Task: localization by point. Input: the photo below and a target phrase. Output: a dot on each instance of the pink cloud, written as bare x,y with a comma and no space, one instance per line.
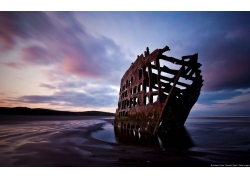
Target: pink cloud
18,24
37,55
6,31
80,67
64,42
14,65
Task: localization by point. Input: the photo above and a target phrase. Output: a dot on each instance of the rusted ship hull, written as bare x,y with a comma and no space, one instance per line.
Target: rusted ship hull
155,98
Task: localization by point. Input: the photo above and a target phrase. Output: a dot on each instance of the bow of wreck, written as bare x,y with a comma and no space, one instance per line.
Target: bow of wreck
157,92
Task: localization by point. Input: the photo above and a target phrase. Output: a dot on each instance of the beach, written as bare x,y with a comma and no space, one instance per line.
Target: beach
91,141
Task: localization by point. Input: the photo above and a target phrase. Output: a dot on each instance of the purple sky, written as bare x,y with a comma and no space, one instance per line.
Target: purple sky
75,60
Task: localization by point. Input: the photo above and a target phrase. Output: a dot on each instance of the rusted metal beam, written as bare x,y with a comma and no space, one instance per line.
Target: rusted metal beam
145,100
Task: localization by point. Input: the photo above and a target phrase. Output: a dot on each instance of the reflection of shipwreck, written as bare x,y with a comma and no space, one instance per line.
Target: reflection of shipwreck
155,96
178,139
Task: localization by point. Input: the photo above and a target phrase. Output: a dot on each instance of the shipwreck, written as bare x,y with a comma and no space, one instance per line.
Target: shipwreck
157,92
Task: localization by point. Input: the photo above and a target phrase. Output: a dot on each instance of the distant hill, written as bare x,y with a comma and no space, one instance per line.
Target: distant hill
46,112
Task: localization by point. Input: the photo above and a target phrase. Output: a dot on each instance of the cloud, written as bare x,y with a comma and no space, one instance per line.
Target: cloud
222,40
58,38
23,25
34,99
82,65
71,83
80,99
16,65
208,98
95,61
69,98
224,51
48,86
223,103
100,90
37,55
225,65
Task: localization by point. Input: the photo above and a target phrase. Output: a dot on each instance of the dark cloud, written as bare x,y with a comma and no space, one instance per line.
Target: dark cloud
34,99
220,112
225,64
23,25
223,46
209,98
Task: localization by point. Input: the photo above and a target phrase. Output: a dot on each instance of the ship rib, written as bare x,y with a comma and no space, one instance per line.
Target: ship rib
154,97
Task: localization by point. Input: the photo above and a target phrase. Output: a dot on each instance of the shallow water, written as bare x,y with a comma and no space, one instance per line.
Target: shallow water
198,134
21,139
13,135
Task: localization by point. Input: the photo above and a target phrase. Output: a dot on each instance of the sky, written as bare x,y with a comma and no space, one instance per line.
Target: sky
75,60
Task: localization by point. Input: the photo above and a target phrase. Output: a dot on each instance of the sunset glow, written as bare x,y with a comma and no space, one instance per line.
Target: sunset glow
74,60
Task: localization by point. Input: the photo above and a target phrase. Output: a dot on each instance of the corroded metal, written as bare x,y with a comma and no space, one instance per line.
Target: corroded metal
157,92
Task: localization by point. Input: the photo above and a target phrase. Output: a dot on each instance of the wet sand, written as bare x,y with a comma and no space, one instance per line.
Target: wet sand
48,141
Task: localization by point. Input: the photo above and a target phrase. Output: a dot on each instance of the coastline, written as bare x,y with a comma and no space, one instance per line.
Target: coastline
77,148
23,118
